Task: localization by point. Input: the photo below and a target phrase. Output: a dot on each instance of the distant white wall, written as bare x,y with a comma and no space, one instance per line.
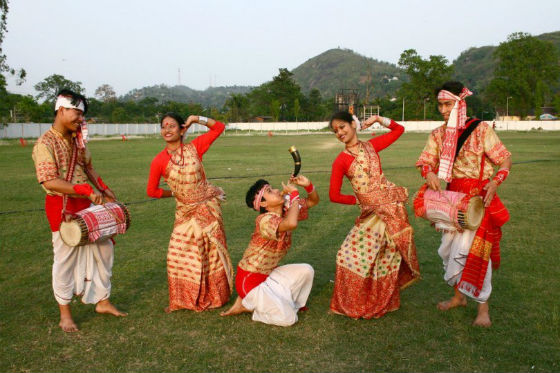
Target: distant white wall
279,126
34,130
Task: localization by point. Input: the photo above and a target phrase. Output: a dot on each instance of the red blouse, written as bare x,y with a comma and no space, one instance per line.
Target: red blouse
342,163
201,143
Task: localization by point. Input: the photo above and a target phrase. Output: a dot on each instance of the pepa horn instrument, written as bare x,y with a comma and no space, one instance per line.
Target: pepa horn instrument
297,159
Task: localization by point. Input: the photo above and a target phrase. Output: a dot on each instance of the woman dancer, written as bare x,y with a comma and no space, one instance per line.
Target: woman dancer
378,256
199,268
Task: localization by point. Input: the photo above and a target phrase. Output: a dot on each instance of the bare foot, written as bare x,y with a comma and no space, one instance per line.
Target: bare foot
167,309
236,309
107,307
67,323
483,316
455,301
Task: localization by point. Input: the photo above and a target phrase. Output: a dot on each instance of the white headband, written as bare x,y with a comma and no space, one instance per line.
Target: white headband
66,102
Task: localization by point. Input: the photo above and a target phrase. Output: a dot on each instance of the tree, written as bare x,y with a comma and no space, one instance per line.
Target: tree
556,104
314,107
425,76
297,108
105,93
119,115
277,97
49,87
526,68
275,106
21,74
284,89
237,106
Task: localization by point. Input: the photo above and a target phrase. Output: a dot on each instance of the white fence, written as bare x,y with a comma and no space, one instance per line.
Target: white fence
34,130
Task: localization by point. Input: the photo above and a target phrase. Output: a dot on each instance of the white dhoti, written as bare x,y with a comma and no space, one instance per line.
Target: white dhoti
277,300
82,270
454,250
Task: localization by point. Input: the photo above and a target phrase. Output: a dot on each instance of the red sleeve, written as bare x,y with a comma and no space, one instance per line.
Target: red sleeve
202,143
156,170
381,142
339,168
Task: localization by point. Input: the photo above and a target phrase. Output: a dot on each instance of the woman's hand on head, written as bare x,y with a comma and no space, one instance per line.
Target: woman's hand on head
190,120
371,120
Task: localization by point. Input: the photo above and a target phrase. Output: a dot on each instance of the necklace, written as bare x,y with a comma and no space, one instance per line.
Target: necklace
173,153
353,146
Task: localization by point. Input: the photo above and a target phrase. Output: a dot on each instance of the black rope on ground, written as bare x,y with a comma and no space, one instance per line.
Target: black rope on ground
36,210
258,176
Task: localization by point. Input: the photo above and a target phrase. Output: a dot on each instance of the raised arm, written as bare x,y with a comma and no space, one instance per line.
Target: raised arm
202,143
290,220
312,195
381,142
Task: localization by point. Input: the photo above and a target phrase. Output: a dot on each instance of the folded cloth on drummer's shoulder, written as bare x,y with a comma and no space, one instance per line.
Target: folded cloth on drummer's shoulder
456,122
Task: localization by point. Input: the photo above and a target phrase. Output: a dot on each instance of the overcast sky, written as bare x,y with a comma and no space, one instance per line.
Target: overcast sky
131,44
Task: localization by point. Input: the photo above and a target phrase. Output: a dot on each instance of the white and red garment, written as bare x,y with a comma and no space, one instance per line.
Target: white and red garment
456,121
454,249
277,300
82,270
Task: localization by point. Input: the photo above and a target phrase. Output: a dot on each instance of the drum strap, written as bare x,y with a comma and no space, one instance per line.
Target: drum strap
471,126
69,175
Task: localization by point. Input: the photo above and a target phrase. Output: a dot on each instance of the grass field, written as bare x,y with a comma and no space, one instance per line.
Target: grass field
525,307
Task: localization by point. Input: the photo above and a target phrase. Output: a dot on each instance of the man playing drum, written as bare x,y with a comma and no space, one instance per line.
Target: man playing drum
83,270
463,152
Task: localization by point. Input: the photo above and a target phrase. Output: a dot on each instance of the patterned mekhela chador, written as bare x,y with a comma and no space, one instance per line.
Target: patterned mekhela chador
199,269
378,257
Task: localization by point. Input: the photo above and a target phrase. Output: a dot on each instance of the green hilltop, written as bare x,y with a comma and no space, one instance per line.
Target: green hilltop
475,66
343,68
340,68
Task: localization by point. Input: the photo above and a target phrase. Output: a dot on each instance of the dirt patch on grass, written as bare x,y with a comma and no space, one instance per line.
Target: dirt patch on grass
330,144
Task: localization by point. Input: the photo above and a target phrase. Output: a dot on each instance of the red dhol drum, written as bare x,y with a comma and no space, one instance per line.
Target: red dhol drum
448,210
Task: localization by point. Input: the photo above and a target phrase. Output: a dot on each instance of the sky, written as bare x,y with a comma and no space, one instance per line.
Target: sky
132,44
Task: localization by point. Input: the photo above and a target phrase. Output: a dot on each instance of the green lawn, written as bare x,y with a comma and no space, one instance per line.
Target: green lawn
525,308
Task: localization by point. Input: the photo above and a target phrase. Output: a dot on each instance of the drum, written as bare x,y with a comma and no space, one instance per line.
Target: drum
449,210
96,223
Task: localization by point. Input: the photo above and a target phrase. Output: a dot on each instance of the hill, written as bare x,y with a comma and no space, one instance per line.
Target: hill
210,97
343,68
475,66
